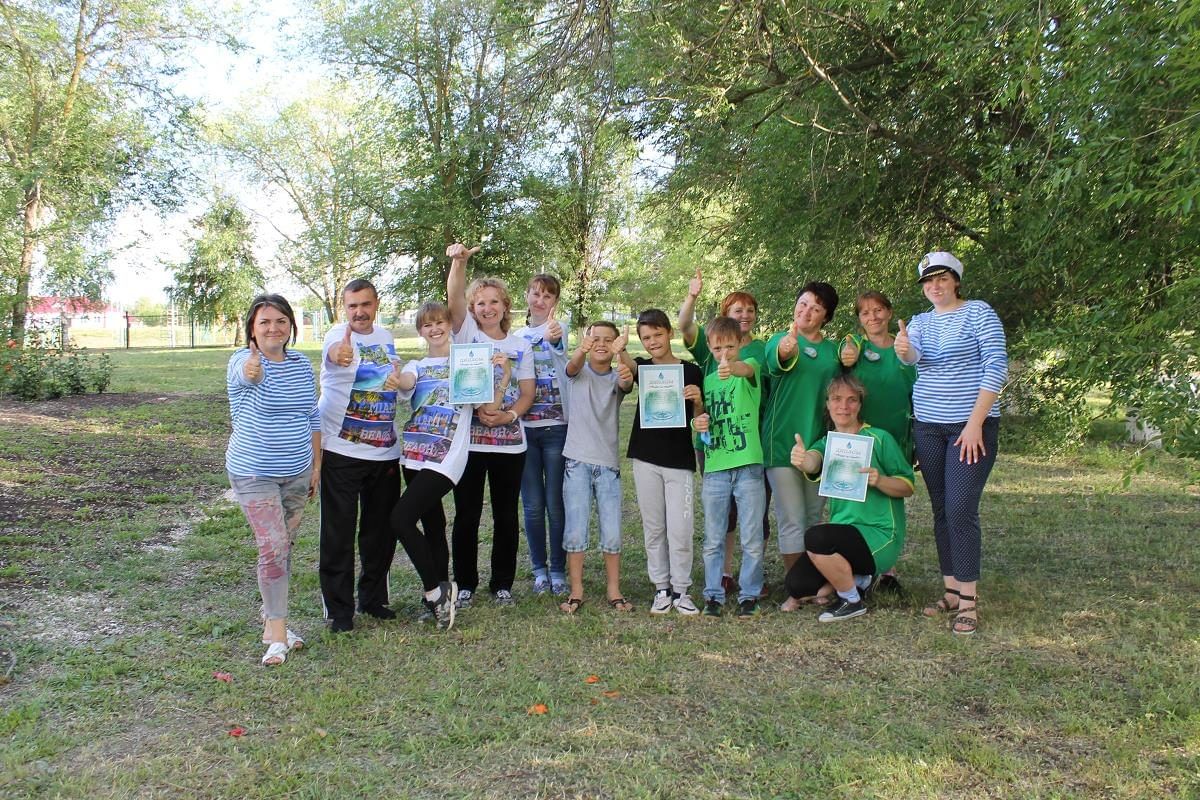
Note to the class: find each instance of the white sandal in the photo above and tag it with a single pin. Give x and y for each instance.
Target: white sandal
(294, 640)
(277, 650)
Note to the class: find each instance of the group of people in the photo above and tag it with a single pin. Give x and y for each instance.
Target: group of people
(757, 417)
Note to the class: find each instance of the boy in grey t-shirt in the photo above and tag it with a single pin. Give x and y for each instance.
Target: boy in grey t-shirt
(590, 452)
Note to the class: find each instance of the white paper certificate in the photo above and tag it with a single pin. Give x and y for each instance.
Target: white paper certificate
(471, 379)
(845, 455)
(660, 396)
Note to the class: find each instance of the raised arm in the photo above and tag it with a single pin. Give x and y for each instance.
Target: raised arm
(456, 282)
(687, 311)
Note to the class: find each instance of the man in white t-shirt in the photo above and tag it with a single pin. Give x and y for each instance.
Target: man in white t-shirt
(360, 465)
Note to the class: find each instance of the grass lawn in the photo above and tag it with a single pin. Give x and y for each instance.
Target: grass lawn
(126, 582)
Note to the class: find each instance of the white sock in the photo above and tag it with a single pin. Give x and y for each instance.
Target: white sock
(851, 596)
(434, 594)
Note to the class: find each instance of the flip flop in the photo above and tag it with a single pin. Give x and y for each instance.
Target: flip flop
(571, 605)
(620, 604)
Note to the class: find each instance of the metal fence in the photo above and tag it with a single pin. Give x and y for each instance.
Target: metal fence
(130, 331)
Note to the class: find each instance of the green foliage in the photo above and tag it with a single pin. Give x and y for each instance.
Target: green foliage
(1053, 149)
(43, 371)
(221, 275)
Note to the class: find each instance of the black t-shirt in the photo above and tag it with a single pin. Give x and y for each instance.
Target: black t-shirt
(666, 447)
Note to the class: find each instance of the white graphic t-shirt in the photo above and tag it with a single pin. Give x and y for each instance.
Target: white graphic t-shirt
(549, 365)
(436, 435)
(357, 416)
(508, 438)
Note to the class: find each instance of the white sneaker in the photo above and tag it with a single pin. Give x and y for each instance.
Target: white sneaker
(684, 605)
(662, 602)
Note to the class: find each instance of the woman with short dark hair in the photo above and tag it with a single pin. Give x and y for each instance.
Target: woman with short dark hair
(274, 454)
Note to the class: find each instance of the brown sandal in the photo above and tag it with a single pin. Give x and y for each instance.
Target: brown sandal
(942, 606)
(962, 624)
(571, 605)
(620, 604)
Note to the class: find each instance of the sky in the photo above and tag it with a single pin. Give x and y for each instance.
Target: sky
(145, 242)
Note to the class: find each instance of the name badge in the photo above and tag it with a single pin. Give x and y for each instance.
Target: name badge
(871, 355)
(811, 352)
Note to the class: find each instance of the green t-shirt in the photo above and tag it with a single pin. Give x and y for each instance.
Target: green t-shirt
(797, 396)
(879, 518)
(732, 407)
(889, 385)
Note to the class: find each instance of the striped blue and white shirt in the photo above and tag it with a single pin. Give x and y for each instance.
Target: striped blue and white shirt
(958, 353)
(273, 420)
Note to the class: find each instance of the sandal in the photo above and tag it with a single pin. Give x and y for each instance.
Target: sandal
(962, 624)
(942, 606)
(620, 604)
(276, 654)
(571, 605)
(294, 641)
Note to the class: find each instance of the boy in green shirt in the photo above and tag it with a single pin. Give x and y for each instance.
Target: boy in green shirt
(732, 467)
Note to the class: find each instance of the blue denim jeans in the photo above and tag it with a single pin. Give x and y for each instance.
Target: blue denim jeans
(745, 484)
(542, 499)
(582, 481)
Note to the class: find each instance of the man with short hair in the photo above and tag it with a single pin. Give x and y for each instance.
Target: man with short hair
(360, 468)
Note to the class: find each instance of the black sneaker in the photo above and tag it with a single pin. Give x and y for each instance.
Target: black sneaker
(379, 612)
(843, 609)
(748, 609)
(341, 625)
(712, 608)
(889, 583)
(444, 609)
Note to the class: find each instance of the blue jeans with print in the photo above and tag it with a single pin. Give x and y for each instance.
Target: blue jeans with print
(582, 481)
(542, 500)
(744, 484)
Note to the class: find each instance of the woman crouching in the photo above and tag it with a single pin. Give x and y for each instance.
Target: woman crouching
(861, 539)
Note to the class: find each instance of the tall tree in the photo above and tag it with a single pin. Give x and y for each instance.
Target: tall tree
(322, 155)
(221, 275)
(1053, 147)
(83, 106)
(456, 76)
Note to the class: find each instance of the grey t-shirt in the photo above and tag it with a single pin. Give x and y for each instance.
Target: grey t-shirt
(593, 408)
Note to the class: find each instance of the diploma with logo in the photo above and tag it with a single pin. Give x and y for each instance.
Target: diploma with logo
(471, 380)
(845, 455)
(660, 396)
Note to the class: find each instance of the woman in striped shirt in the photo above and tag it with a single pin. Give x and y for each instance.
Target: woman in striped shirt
(959, 350)
(274, 454)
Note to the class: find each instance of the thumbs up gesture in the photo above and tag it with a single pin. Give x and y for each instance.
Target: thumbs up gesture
(799, 453)
(585, 343)
(624, 374)
(621, 342)
(253, 368)
(392, 382)
(724, 370)
(789, 344)
(460, 252)
(695, 285)
(554, 329)
(850, 352)
(342, 353)
(902, 345)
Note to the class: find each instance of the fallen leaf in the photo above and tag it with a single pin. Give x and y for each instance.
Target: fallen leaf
(537, 708)
(322, 732)
(595, 701)
(592, 679)
(224, 677)
(238, 731)
(611, 693)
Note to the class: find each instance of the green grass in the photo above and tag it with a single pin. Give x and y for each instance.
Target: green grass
(125, 582)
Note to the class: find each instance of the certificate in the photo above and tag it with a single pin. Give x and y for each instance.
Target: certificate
(471, 379)
(845, 455)
(660, 396)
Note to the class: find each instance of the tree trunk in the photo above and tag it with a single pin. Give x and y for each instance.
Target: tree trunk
(20, 306)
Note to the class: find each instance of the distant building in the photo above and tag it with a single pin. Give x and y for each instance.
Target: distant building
(77, 311)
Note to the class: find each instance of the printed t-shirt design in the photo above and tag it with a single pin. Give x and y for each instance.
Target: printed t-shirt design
(371, 411)
(547, 396)
(433, 435)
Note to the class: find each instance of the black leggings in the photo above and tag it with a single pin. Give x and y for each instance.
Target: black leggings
(805, 580)
(422, 500)
(502, 471)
